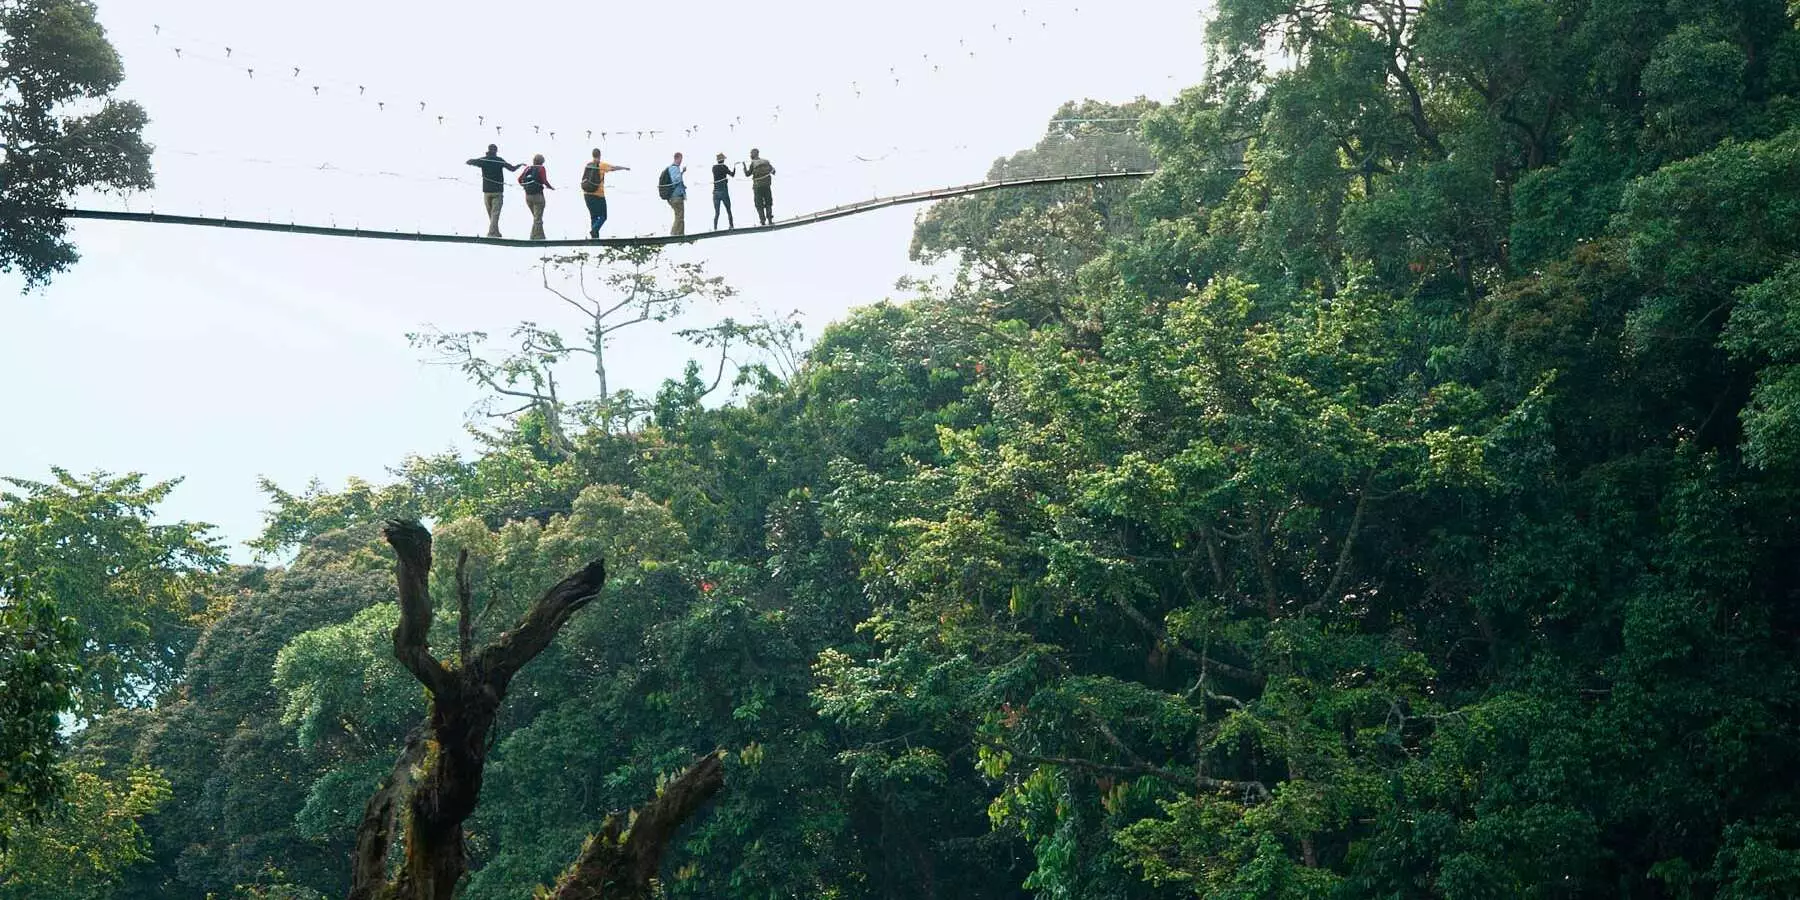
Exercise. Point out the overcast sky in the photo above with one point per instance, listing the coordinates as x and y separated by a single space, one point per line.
219 356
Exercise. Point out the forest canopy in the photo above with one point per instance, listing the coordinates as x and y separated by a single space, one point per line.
1391 497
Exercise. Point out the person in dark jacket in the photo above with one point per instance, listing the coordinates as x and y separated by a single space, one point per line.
493 185
722 192
536 180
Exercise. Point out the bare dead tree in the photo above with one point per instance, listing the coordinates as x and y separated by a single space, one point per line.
613 289
617 288
774 341
436 781
519 381
621 861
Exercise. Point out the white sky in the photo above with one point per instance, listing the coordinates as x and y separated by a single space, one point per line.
220 356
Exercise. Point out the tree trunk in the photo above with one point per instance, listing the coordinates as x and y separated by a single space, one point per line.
446 795
445 767
600 356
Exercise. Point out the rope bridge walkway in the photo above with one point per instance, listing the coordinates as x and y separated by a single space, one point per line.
836 212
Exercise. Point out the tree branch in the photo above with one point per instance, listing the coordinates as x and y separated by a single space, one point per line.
1416 107
1161 634
499 661
620 865
533 396
1212 556
1265 570
465 626
412 549
1137 770
590 313
637 287
627 323
1350 534
724 347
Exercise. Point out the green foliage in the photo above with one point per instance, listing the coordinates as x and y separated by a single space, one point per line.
239 777
37 687
81 850
61 132
1030 242
138 591
1389 498
342 680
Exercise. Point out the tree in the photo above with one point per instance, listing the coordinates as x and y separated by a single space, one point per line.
98 608
1022 249
437 777
37 687
613 290
60 132
138 591
1336 538
636 286
1392 498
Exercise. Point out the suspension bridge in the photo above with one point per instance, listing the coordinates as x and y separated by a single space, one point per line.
814 218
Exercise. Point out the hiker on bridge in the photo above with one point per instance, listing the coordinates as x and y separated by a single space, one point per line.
536 179
762 178
493 185
593 190
671 187
722 191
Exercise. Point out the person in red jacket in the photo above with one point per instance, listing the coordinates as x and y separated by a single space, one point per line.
536 179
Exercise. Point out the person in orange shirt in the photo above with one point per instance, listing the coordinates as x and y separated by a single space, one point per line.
593 190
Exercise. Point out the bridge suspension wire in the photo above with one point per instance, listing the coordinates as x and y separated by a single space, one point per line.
307 80
836 212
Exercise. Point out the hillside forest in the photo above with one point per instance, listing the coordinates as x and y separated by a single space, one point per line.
1395 496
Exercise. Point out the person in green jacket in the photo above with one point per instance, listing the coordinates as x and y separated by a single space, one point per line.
762 176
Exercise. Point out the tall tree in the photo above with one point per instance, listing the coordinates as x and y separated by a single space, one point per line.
60 131
139 591
613 290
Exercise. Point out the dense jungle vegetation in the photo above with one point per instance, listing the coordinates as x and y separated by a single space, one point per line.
1393 497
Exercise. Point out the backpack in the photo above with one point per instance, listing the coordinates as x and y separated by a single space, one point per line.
590 178
665 186
529 177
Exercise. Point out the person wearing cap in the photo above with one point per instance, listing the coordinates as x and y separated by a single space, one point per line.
762 178
722 191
